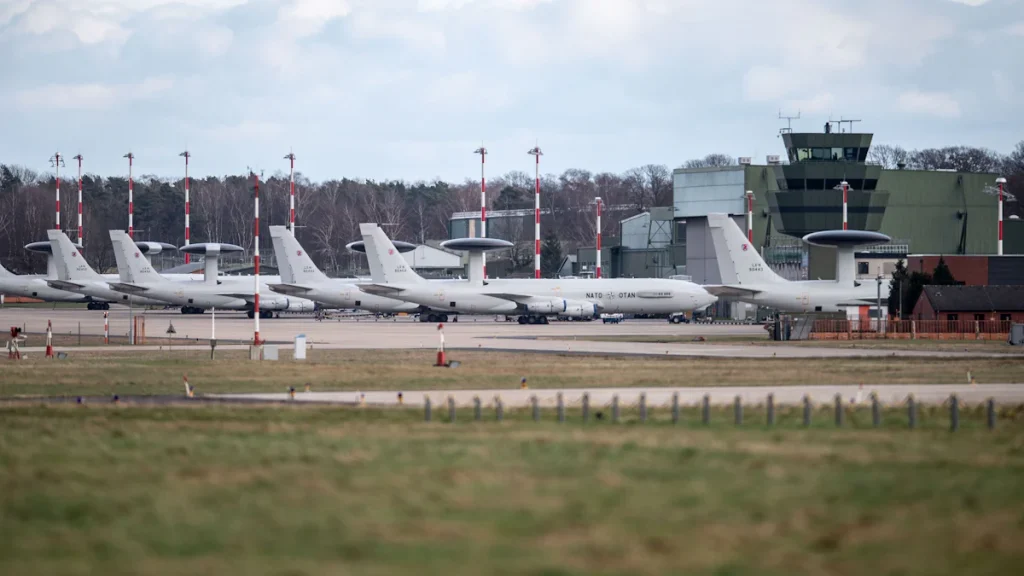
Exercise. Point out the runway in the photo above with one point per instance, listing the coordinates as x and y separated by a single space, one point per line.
890 394
469 333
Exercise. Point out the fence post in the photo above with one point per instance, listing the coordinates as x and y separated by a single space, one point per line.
911 412
451 409
476 408
615 409
771 410
839 410
586 407
807 411
643 407
913 329
426 408
561 408
536 407
876 411
738 410
954 413
675 407
990 413
705 410
499 409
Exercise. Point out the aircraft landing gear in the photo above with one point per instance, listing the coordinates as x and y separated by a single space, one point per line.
192 310
533 319
434 318
98 306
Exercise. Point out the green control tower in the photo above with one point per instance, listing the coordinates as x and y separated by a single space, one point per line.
810 195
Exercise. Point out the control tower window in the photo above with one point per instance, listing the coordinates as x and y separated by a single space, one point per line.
803 154
795 183
837 154
870 184
850 154
863 156
821 153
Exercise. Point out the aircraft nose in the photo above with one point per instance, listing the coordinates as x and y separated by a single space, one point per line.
708 299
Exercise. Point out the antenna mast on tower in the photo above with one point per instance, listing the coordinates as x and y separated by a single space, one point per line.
789 122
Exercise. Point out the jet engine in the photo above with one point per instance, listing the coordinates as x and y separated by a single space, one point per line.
300 305
544 305
580 309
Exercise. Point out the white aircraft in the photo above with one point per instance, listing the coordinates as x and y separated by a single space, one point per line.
301 277
746 276
35 286
223 292
75 275
531 300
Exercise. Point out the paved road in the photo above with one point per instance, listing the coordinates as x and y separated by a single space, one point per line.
887 393
471 333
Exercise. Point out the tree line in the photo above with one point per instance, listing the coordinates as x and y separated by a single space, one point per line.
328 213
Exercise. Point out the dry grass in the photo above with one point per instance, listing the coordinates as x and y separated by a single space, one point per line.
315 491
127 372
970 346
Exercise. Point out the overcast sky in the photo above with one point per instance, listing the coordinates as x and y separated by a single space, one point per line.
409 88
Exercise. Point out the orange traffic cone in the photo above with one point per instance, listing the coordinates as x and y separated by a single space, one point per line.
49 339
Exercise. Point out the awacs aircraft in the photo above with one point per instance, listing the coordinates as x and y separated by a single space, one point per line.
75 275
301 277
746 276
35 286
531 300
224 292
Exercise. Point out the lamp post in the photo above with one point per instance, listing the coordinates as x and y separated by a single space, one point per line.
188 208
1000 182
483 204
535 152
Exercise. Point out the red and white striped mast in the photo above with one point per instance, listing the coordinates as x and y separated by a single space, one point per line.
81 242
131 197
57 161
256 258
597 273
846 190
1001 182
750 217
535 151
188 207
291 197
483 203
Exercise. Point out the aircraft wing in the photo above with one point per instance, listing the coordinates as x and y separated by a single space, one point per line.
380 289
725 290
63 285
517 298
292 289
127 288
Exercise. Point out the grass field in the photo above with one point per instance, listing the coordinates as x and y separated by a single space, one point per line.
216 490
128 372
977 346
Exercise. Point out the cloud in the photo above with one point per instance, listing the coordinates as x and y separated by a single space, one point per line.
971 3
91 96
303 18
1016 29
96 21
764 84
939 104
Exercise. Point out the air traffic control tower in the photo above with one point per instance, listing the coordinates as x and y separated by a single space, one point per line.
809 197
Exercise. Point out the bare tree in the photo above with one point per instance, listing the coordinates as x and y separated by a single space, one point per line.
888 156
711 161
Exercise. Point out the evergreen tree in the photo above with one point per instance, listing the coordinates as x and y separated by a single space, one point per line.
550 254
898 288
942 276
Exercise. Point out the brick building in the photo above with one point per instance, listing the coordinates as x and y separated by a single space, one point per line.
971 303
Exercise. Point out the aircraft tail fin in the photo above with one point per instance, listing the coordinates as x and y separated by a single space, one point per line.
738 260
70 264
387 265
293 262
132 266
